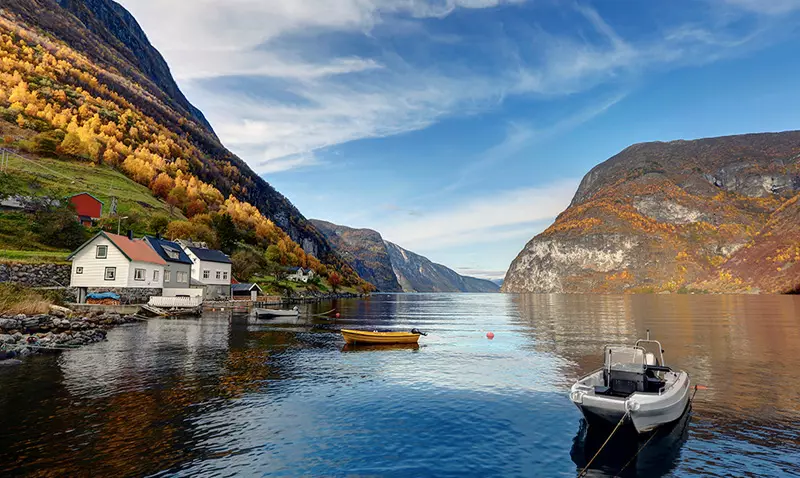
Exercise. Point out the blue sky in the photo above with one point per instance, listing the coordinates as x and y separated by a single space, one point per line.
459 129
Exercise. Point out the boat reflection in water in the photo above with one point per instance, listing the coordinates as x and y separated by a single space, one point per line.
378 348
657 457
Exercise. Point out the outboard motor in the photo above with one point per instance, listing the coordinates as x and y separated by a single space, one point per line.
417 331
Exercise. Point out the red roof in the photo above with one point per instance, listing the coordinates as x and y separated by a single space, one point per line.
136 250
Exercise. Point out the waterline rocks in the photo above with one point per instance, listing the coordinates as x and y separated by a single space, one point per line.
21 335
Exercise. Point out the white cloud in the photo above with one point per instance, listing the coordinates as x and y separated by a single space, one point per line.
490 218
321 100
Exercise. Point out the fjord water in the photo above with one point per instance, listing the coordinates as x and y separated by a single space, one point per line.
223 396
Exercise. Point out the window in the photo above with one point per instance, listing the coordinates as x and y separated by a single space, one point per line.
219 275
79 270
206 274
182 277
138 274
225 275
111 273
172 253
102 252
168 276
155 276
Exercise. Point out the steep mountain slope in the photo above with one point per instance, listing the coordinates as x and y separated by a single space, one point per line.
82 74
416 273
365 251
716 214
391 268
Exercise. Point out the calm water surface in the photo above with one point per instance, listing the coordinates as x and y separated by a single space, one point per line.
222 396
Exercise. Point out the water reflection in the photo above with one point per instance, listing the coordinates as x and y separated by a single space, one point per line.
630 454
225 394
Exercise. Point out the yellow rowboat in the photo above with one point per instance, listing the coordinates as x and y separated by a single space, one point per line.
362 337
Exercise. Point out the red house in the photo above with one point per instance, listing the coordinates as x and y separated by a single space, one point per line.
87 207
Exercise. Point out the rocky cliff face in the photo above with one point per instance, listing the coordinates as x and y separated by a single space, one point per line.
112 40
716 214
416 273
391 268
365 251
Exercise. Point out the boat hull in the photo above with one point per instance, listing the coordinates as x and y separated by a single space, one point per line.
275 313
646 411
359 337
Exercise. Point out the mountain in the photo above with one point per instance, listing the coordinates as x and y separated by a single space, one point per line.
391 268
715 215
416 273
365 251
83 82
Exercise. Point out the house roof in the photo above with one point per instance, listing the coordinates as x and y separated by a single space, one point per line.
133 249
162 247
210 255
244 287
81 194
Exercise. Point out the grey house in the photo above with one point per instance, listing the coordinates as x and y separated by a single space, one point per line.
178 271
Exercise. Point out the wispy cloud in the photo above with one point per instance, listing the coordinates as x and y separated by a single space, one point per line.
318 99
521 136
491 218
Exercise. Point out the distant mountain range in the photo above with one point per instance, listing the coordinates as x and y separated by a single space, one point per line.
391 268
714 215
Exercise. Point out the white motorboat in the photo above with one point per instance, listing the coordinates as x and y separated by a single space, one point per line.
634 383
294 312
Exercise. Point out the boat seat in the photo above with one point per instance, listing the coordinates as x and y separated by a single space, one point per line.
601 390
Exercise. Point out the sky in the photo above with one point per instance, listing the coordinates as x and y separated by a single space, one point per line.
459 129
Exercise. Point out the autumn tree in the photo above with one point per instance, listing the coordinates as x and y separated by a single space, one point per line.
335 280
162 185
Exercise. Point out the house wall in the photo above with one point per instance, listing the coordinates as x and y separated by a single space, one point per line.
94 269
149 282
199 266
213 268
174 268
86 205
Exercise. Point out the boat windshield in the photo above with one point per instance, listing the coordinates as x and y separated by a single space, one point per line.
624 357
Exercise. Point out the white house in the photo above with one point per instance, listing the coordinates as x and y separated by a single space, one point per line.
213 269
301 275
110 262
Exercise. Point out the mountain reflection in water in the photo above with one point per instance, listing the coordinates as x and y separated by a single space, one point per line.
232 395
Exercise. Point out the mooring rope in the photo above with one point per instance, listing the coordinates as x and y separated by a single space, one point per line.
691 399
621 420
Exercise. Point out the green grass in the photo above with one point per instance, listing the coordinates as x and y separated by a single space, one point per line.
60 178
33 257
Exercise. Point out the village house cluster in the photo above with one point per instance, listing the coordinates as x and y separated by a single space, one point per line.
137 270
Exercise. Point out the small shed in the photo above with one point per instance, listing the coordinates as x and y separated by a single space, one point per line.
245 291
87 207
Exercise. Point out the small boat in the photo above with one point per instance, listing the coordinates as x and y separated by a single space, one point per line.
633 385
294 312
362 337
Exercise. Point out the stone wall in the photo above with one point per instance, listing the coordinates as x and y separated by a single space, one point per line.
36 275
129 295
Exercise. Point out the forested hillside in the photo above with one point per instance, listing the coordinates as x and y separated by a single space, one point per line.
80 83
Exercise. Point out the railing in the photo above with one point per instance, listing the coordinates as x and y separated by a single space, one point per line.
175 302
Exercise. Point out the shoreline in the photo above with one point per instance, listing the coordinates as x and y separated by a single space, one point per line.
22 335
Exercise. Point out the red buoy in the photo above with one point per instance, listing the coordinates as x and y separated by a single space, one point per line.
337 315
490 335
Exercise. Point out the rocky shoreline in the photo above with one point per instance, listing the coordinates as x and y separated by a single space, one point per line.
22 335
